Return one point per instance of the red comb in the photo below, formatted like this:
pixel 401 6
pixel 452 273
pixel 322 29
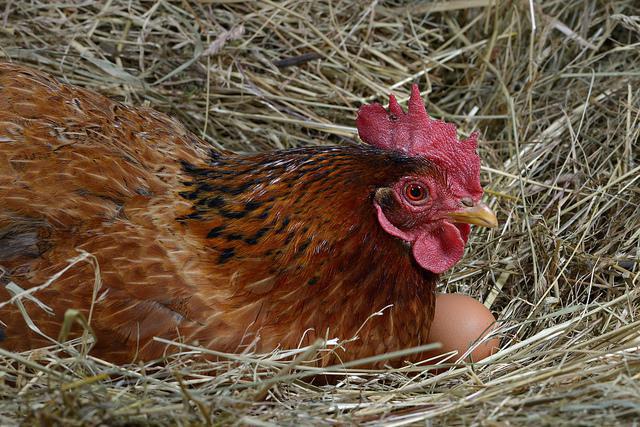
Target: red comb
pixel 414 133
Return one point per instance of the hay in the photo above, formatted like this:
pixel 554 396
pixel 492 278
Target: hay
pixel 551 86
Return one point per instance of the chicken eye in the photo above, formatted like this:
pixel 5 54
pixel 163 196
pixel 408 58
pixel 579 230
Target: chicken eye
pixel 415 192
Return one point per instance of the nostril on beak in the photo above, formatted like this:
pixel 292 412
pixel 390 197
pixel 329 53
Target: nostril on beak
pixel 466 201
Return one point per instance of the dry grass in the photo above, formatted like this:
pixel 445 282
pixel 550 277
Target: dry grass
pixel 558 107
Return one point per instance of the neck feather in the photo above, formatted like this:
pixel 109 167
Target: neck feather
pixel 297 231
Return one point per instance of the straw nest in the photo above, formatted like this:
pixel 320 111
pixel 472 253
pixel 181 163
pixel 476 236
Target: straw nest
pixel 551 86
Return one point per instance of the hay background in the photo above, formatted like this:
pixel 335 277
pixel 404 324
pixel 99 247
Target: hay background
pixel 557 108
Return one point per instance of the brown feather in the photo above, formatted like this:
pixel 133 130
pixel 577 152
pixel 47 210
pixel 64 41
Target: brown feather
pixel 282 247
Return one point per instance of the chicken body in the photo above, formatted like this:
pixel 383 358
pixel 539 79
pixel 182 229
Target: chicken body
pixel 264 250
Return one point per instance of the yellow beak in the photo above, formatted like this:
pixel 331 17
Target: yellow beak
pixel 479 214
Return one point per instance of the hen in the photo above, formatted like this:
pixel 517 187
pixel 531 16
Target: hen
pixel 227 250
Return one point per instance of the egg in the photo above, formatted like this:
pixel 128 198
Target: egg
pixel 458 323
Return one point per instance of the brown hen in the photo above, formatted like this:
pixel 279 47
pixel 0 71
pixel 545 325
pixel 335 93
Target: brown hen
pixel 262 250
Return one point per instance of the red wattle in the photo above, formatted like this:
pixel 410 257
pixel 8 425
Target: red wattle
pixel 439 250
pixel 435 250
